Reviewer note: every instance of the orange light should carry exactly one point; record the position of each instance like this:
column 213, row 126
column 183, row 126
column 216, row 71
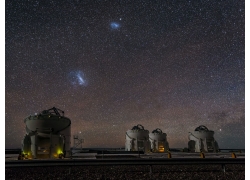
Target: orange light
column 161, row 149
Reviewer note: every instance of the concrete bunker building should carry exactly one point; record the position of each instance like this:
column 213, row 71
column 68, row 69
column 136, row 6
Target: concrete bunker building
column 137, row 139
column 158, row 141
column 47, row 135
column 202, row 140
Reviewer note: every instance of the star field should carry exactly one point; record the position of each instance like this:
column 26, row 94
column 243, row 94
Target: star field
column 111, row 65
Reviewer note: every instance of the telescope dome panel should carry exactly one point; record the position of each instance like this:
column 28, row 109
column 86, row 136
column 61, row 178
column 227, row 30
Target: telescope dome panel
column 44, row 123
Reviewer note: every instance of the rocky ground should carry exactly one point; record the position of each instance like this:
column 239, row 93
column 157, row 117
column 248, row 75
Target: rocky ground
column 156, row 172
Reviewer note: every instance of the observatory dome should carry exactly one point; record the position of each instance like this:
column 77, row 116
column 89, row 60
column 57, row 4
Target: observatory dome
column 47, row 135
column 202, row 140
column 137, row 139
column 158, row 141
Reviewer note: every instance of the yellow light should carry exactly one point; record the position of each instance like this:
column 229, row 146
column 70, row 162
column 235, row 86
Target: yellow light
column 59, row 151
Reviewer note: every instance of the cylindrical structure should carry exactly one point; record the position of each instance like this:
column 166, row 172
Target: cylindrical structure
column 158, row 141
column 202, row 140
column 66, row 134
column 137, row 139
column 26, row 146
column 49, row 134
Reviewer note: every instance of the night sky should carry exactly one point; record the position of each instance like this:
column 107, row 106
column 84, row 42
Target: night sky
column 111, row 65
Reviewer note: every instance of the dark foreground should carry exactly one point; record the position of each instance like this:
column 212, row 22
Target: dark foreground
column 126, row 172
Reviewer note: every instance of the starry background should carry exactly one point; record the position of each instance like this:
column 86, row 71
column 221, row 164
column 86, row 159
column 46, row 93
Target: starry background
column 111, row 65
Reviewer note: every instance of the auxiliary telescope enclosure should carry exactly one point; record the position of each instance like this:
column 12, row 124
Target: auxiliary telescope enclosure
column 47, row 135
column 202, row 140
column 137, row 139
column 158, row 141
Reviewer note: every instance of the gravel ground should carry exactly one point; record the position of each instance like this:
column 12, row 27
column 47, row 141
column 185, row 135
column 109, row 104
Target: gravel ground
column 125, row 172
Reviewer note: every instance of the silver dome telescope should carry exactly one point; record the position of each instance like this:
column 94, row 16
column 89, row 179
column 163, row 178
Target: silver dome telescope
column 202, row 140
column 158, row 141
column 137, row 139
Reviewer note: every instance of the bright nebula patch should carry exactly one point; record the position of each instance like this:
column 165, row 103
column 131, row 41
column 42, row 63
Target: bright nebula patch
column 115, row 25
column 77, row 78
